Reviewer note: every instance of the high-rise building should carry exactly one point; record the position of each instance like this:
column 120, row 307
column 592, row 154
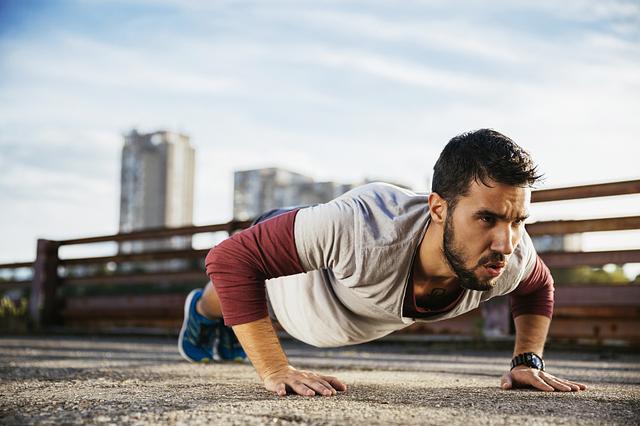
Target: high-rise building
column 257, row 191
column 156, row 187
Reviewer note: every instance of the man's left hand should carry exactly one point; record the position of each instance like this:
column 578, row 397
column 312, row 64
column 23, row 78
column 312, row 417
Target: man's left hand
column 523, row 376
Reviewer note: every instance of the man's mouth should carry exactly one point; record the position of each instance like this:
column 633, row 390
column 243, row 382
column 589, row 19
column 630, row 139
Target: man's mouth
column 494, row 269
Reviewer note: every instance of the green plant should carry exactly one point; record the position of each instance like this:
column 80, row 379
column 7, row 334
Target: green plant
column 9, row 307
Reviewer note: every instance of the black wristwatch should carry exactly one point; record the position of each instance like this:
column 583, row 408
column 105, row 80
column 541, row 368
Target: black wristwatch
column 529, row 359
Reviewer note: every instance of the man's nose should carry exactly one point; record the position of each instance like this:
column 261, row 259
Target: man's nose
column 503, row 240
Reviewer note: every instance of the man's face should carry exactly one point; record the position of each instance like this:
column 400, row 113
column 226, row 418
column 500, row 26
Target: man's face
column 482, row 231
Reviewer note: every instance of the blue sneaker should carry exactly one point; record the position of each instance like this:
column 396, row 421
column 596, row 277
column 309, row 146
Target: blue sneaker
column 198, row 335
column 203, row 340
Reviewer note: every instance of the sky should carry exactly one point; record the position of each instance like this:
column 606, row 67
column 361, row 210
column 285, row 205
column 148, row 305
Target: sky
column 337, row 90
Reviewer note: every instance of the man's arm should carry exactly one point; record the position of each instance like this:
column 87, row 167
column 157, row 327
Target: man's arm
column 261, row 344
column 532, row 306
column 238, row 267
column 531, row 333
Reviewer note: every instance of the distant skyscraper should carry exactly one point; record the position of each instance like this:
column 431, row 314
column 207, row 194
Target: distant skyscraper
column 156, row 187
column 256, row 191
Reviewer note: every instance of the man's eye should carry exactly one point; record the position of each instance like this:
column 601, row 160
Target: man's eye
column 487, row 219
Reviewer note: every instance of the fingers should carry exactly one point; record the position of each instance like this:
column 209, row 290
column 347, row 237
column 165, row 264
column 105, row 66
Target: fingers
column 321, row 386
column 537, row 382
column 582, row 386
column 538, row 379
column 562, row 384
column 575, row 386
column 555, row 383
column 303, row 383
column 309, row 386
column 335, row 383
column 505, row 381
column 281, row 389
column 302, row 388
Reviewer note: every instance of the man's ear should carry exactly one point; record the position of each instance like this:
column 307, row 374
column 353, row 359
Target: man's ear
column 437, row 208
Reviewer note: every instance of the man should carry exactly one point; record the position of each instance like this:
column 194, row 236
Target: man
column 377, row 259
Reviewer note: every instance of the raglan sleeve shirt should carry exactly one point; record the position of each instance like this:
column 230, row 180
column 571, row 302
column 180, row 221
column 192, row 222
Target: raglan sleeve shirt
column 309, row 239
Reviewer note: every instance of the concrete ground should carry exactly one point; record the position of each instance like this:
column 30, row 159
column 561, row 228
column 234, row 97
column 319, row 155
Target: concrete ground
column 72, row 380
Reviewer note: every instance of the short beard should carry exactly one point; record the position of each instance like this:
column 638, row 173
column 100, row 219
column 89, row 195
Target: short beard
column 455, row 258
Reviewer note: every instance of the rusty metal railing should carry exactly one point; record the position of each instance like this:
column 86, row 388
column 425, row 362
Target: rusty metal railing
column 44, row 304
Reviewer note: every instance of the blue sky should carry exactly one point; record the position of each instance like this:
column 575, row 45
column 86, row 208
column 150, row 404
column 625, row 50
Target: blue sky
column 339, row 90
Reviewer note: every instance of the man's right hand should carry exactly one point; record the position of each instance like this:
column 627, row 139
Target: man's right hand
column 261, row 344
column 302, row 382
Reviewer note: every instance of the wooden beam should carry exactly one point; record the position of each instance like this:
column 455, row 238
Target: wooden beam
column 161, row 233
column 139, row 278
column 160, row 306
column 596, row 329
column 10, row 285
column 585, row 312
column 592, row 258
column 146, row 256
column 586, row 191
column 559, row 227
column 605, row 295
column 16, row 265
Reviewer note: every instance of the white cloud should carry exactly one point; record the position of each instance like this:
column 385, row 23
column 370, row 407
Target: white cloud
column 400, row 71
column 81, row 61
column 442, row 34
column 587, row 10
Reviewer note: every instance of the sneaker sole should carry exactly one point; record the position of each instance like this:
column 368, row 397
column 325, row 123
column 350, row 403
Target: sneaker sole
column 187, row 306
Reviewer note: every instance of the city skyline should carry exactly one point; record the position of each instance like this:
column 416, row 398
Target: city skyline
column 337, row 91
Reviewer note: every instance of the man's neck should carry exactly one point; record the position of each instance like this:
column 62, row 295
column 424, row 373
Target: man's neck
column 430, row 264
column 435, row 286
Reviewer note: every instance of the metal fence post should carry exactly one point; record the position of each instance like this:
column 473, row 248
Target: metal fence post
column 43, row 304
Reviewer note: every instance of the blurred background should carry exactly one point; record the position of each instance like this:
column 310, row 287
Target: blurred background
column 119, row 116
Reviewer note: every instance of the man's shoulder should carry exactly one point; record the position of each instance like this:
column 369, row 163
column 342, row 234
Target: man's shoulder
column 373, row 207
column 383, row 194
column 386, row 214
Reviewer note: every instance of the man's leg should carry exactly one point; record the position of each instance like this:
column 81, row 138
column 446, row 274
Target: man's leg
column 209, row 305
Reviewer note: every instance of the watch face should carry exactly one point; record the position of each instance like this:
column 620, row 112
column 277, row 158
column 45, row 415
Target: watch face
column 534, row 361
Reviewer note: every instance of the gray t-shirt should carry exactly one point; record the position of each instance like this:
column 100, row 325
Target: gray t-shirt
column 359, row 249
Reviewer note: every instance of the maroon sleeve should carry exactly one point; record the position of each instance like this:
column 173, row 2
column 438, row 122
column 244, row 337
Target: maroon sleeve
column 240, row 264
column 534, row 294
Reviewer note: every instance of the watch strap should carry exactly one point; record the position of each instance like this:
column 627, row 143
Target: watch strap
column 530, row 359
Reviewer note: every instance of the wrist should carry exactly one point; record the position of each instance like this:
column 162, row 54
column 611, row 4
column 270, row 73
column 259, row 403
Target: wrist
column 264, row 375
column 261, row 344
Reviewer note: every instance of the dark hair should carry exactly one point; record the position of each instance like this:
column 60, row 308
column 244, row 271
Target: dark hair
column 481, row 155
